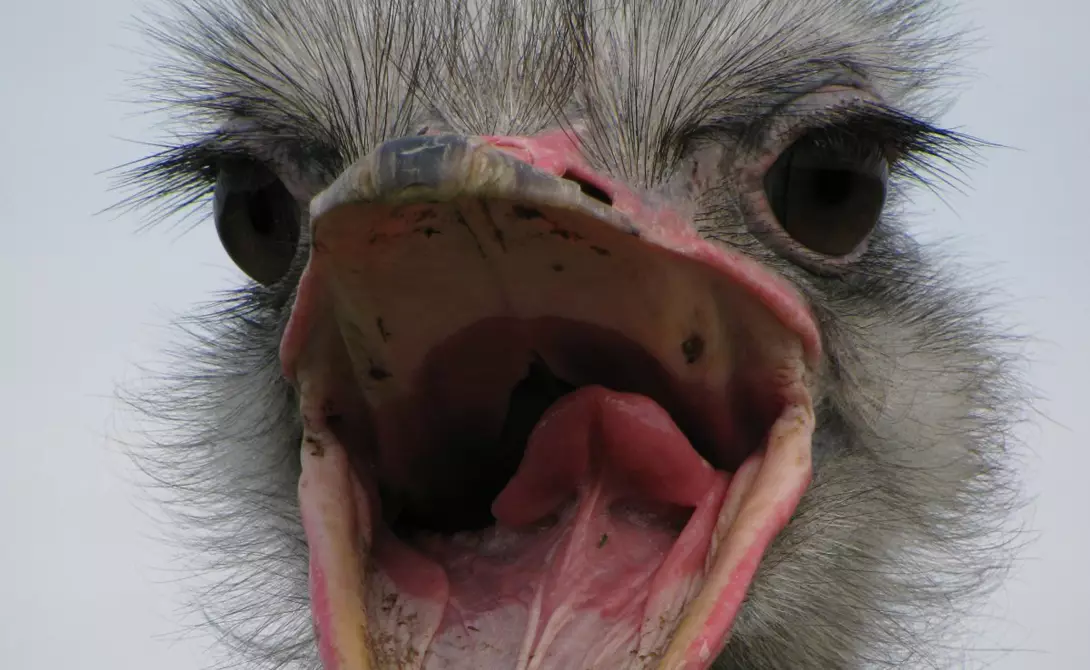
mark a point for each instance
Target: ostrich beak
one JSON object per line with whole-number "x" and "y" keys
{"x": 442, "y": 268}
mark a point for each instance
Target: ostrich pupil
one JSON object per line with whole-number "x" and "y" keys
{"x": 832, "y": 188}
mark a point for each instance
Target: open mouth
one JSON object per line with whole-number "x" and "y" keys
{"x": 542, "y": 428}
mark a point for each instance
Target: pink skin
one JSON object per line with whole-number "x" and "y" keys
{"x": 556, "y": 153}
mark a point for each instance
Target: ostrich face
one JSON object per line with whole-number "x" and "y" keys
{"x": 593, "y": 326}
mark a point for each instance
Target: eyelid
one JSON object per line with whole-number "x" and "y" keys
{"x": 302, "y": 165}
{"x": 810, "y": 112}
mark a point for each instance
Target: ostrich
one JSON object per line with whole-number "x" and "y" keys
{"x": 576, "y": 334}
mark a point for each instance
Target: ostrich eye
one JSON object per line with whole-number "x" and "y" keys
{"x": 257, "y": 220}
{"x": 827, "y": 191}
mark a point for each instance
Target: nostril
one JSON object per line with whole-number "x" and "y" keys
{"x": 588, "y": 188}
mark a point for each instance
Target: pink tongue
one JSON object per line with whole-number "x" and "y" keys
{"x": 621, "y": 444}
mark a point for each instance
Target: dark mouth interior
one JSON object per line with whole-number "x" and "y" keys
{"x": 447, "y": 475}
{"x": 485, "y": 468}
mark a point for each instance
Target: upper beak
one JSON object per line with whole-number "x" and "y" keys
{"x": 533, "y": 174}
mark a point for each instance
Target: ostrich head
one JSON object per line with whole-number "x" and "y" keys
{"x": 576, "y": 334}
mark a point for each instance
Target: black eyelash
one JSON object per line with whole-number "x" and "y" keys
{"x": 173, "y": 180}
{"x": 177, "y": 179}
{"x": 918, "y": 150}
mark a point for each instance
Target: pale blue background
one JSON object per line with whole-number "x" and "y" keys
{"x": 82, "y": 581}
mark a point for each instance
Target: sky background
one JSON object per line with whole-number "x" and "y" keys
{"x": 85, "y": 582}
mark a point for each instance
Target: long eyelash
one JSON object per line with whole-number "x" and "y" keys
{"x": 170, "y": 182}
{"x": 177, "y": 180}
{"x": 920, "y": 151}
